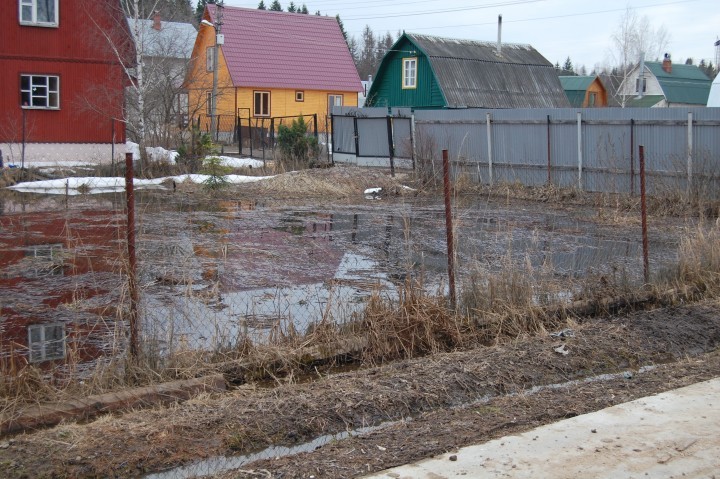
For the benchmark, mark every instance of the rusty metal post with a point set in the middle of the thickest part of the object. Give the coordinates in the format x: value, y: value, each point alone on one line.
x: 643, y: 212
x: 449, y: 228
x: 132, y: 262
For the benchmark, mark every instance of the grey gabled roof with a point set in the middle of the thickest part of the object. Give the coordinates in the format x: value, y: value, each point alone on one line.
x: 173, y: 40
x: 471, y: 74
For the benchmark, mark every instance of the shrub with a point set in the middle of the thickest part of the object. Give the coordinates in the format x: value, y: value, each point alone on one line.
x: 297, y: 148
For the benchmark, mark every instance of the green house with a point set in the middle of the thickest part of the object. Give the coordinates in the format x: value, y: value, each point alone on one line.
x: 665, y: 84
x: 426, y: 72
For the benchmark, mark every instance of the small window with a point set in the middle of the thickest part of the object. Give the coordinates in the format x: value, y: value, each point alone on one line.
x: 262, y: 103
x: 210, y: 59
x: 46, y: 342
x: 409, y: 73
x: 40, y: 91
x: 334, y: 100
x: 637, y: 84
x: 299, y: 96
x: 40, y: 13
x: 591, y: 99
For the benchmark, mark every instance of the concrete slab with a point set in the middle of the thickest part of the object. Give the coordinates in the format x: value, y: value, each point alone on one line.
x: 670, y: 435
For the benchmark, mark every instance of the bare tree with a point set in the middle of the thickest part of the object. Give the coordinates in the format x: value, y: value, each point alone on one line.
x: 634, y: 36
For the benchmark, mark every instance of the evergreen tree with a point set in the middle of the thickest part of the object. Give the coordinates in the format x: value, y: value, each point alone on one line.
x: 292, y: 8
x: 342, y: 27
x: 275, y: 6
x: 568, y: 67
x: 384, y: 44
x: 367, y: 59
x: 201, y: 8
x: 689, y: 61
x: 317, y: 13
x: 261, y: 5
x: 304, y: 10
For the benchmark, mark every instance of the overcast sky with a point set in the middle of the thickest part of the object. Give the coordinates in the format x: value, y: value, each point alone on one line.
x: 580, y: 29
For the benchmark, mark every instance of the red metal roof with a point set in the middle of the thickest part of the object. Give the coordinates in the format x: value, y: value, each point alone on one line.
x: 286, y: 50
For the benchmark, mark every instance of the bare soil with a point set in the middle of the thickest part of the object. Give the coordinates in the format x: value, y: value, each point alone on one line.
x: 443, y: 402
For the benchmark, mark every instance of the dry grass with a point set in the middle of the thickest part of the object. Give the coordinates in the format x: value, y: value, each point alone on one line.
x: 413, y: 325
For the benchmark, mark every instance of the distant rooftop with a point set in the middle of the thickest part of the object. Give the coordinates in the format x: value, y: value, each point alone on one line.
x: 271, y: 49
x: 173, y: 40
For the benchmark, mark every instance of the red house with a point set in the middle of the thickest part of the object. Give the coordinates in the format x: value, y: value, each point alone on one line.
x: 62, y: 80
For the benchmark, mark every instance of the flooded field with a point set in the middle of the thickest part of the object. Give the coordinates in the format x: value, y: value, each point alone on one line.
x: 214, y: 273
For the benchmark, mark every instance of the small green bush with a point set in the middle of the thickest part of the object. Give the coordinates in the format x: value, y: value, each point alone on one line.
x: 297, y: 147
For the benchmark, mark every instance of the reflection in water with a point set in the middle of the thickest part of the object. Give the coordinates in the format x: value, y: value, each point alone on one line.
x: 216, y: 273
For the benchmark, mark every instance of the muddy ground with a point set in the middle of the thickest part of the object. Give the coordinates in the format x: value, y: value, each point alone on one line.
x: 443, y: 402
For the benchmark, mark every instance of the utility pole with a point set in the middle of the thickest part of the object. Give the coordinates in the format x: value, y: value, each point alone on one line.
x: 219, y: 40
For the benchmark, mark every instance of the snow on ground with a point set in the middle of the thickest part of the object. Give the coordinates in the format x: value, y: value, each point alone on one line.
x: 232, y: 162
x: 76, y: 186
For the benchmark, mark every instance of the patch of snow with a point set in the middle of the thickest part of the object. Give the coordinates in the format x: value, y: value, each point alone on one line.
x: 76, y: 186
x: 154, y: 153
x: 232, y: 162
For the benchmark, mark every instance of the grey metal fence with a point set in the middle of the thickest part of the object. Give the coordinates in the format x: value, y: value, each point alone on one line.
x: 591, y: 149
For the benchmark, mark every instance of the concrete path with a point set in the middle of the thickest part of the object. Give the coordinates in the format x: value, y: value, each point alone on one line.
x: 670, y: 435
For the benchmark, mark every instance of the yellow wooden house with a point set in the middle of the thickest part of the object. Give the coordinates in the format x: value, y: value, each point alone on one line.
x: 272, y: 66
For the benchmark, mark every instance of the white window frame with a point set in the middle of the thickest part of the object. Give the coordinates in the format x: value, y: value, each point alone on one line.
x: 261, y: 103
x: 43, y: 349
x: 50, y: 103
x: 210, y: 59
x: 299, y: 95
x: 409, y: 73
x: 333, y: 101
x: 32, y: 7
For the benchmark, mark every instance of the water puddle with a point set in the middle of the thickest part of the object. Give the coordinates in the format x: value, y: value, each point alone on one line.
x: 219, y: 464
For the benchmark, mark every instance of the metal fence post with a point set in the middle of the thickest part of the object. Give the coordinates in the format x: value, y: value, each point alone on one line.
x: 579, y: 150
x: 632, y: 157
x: 412, y: 138
x: 449, y: 228
x: 689, y: 154
x: 643, y: 213
x: 489, y: 148
x: 549, y: 163
x: 132, y: 262
x: 391, y: 145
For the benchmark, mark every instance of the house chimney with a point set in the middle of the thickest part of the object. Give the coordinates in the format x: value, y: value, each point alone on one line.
x: 499, y: 42
x: 157, y: 23
x: 667, y: 63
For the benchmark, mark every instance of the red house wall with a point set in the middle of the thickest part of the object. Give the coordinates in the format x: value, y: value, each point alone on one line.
x: 78, y: 51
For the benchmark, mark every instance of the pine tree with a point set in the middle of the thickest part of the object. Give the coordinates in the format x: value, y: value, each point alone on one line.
x: 317, y: 13
x: 200, y: 9
x: 568, y: 67
x: 292, y: 8
x: 342, y: 27
x: 261, y: 5
x: 304, y: 10
x: 275, y: 6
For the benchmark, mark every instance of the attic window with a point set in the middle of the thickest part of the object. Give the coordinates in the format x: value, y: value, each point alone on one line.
x: 409, y: 73
x: 210, y: 59
x: 39, y: 13
x: 299, y: 96
x: 637, y: 84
